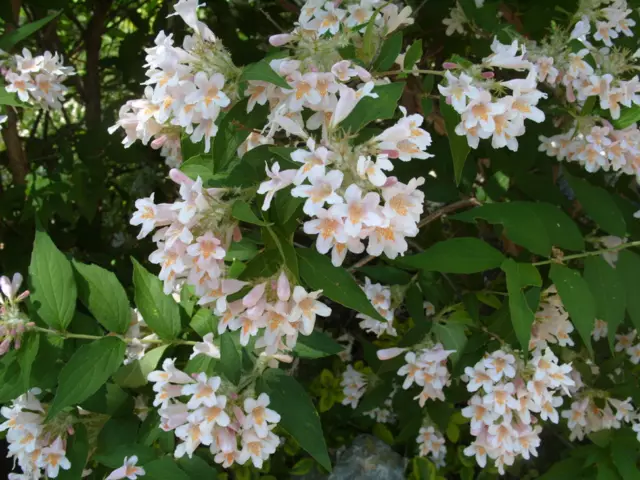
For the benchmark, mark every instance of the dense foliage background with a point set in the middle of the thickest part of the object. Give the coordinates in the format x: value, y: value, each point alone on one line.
x: 62, y: 170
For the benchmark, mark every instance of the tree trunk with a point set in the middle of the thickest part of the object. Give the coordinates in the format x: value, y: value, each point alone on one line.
x: 93, y: 42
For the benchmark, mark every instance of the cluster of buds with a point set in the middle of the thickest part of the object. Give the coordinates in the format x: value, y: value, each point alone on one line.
x: 426, y: 367
x: 484, y: 115
x: 186, y: 89
x: 512, y: 398
x: 596, y: 145
x: 204, y: 410
x: 380, y: 297
x: 36, y: 80
x: 593, y: 413
x: 431, y: 443
x: 552, y: 324
x: 38, y: 448
x: 13, y: 322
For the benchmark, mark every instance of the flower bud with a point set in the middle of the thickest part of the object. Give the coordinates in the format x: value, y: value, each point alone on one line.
x: 280, y: 39
x: 389, y: 353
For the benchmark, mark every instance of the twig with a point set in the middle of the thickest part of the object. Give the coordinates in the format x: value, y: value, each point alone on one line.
x: 275, y: 24
x: 470, y: 202
x: 623, y: 246
x: 82, y: 336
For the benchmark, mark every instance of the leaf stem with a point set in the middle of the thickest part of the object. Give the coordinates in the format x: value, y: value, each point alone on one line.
x: 589, y: 254
x: 82, y: 336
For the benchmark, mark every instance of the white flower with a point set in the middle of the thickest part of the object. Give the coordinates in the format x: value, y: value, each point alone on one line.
x: 391, y: 239
x: 329, y: 226
x: 306, y: 307
x: 373, y: 170
x: 599, y: 330
x: 128, y: 470
x: 259, y: 416
x: 359, y: 212
x: 53, y: 458
x: 458, y: 89
x: 168, y: 374
x: 206, y: 348
x: 322, y: 189
x: 481, y: 111
x: 625, y: 341
x: 581, y: 29
x: 277, y: 181
x: 500, y: 364
x: 605, y: 32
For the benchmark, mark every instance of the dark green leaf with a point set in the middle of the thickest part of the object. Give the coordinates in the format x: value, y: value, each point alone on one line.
x: 389, y: 52
x: 27, y: 355
x: 608, y: 291
x: 386, y: 273
x: 459, y: 147
x: 624, y: 453
x: 577, y: 299
x: 628, y: 268
x: 199, y: 166
x: 164, y: 468
x: 316, y: 345
x: 243, y: 212
x: 452, y: 337
x: 134, y: 375
x: 197, y: 468
x: 628, y: 117
x: 230, y: 363
x: 53, y: 289
x: 77, y: 452
x: 336, y: 283
x: 599, y: 205
x: 457, y: 255
x: 86, y: 371
x: 298, y: 416
x: 159, y: 311
x: 8, y: 40
x: 520, y: 276
x: 369, y: 109
x: 114, y: 458
x: 265, y: 264
x: 262, y: 71
x: 100, y: 291
x: 413, y: 56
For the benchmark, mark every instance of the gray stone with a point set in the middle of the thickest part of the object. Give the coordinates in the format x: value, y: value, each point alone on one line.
x: 368, y: 458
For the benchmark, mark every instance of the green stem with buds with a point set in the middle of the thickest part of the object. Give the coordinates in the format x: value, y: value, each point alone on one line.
x: 82, y: 336
x: 589, y: 254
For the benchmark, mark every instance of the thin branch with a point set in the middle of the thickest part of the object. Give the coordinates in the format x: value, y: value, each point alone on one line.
x: 453, y: 207
x: 594, y: 253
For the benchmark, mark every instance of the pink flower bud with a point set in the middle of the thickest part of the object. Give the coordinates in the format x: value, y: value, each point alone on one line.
x: 391, y: 153
x: 179, y: 177
x: 283, y: 358
x: 389, y: 353
x: 256, y: 293
x: 280, y: 39
x: 6, y: 287
x: 391, y: 181
x: 363, y: 74
x: 23, y: 295
x: 488, y: 74
x: 449, y: 65
x: 237, y: 234
x: 158, y: 142
x: 4, y: 346
x: 284, y: 288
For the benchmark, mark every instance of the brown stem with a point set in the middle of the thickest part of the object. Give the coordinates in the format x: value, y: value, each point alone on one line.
x: 17, y: 158
x: 93, y: 42
x: 453, y: 207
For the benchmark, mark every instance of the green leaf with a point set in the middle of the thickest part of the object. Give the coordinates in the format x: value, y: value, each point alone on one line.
x: 386, y: 273
x: 134, y: 375
x: 243, y: 212
x: 369, y: 109
x: 160, y: 312
x: 608, y: 291
x: 599, y: 205
x: 233, y: 129
x: 101, y: 292
x: 452, y: 337
x: 536, y: 226
x: 114, y: 457
x: 86, y: 371
x: 298, y: 416
x: 203, y: 322
x: 8, y: 40
x: 316, y: 345
x: 27, y: 355
x: 458, y: 144
x: 265, y: 264
x: 383, y: 433
x: 376, y: 396
x: 628, y: 117
x: 413, y: 55
x: 197, y: 468
x: 624, y: 453
x: 628, y: 267
x: 230, y: 362
x: 457, y: 255
x: 389, y: 52
x: 199, y: 166
x: 53, y: 289
x: 245, y: 249
x: 569, y: 468
x: 577, y: 299
x: 10, y: 98
x: 164, y: 468
x: 262, y: 71
x: 336, y: 283
x: 520, y: 276
x: 77, y: 452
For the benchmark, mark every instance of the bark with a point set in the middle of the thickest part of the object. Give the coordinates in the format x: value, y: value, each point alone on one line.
x: 93, y: 43
x: 17, y: 158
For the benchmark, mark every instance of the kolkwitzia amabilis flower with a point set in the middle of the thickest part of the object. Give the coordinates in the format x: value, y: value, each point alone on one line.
x: 13, y: 322
x: 354, y: 384
x: 431, y: 443
x: 510, y: 399
x: 380, y: 297
x: 129, y: 470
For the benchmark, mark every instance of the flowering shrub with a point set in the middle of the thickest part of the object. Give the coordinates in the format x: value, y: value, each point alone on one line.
x: 326, y: 266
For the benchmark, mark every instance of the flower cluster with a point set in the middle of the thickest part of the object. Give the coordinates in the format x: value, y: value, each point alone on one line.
x: 597, y: 145
x: 552, y: 324
x: 591, y: 414
x: 473, y: 95
x: 186, y: 89
x: 512, y: 397
x: 235, y: 426
x: 12, y: 321
x: 380, y: 297
x: 624, y: 343
x: 139, y: 336
x: 427, y: 368
x: 431, y: 443
x: 36, y: 80
x: 38, y: 448
x: 354, y: 384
